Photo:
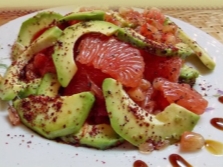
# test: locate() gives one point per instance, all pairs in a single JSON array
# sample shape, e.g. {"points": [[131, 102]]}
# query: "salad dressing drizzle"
{"points": [[217, 123], [140, 163], [220, 99], [178, 161], [214, 147]]}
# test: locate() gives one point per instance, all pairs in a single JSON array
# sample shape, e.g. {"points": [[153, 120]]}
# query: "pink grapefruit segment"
{"points": [[181, 94], [120, 60], [165, 67]]}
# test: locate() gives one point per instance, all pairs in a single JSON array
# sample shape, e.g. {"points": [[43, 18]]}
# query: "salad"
{"points": [[102, 77]]}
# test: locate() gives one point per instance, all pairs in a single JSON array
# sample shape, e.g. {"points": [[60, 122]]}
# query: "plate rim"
{"points": [[185, 26]]}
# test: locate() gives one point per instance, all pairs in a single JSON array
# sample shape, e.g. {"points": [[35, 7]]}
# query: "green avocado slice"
{"points": [[11, 85], [136, 125], [54, 117], [188, 75], [130, 36], [49, 85], [84, 16], [63, 55], [30, 28], [100, 136], [96, 15], [30, 88], [198, 50]]}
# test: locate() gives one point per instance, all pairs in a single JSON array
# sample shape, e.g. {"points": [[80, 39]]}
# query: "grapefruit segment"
{"points": [[88, 78], [84, 79], [120, 60], [181, 94], [165, 67]]}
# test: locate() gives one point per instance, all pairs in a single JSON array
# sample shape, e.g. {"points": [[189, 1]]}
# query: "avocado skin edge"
{"points": [[137, 40], [84, 16]]}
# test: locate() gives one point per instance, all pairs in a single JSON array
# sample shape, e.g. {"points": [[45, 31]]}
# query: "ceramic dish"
{"points": [[22, 147]]}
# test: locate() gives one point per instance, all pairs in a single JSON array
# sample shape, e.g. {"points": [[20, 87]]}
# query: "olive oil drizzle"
{"points": [[214, 147]]}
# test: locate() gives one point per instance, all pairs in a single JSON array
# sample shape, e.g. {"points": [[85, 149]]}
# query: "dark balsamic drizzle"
{"points": [[178, 161], [217, 123], [220, 99], [140, 163]]}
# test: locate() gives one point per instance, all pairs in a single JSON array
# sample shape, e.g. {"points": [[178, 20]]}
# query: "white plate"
{"points": [[21, 147]]}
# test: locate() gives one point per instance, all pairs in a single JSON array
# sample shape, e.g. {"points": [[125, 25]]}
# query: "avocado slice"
{"points": [[136, 125], [54, 117], [130, 36], [188, 75], [63, 55], [49, 85], [30, 28], [45, 40], [96, 15], [198, 50], [100, 136], [84, 16], [11, 85], [30, 88]]}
